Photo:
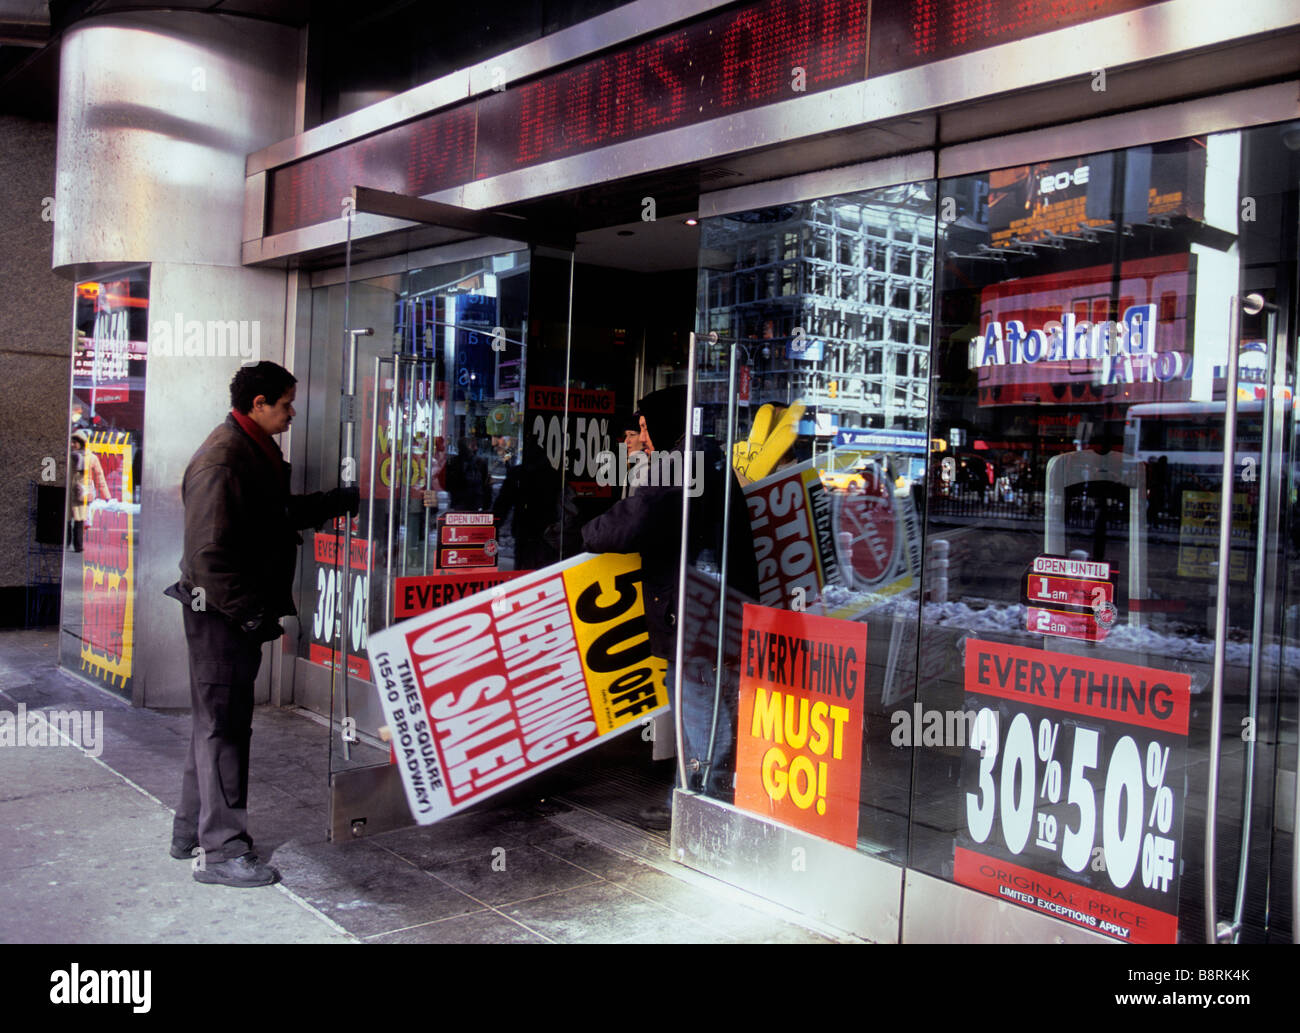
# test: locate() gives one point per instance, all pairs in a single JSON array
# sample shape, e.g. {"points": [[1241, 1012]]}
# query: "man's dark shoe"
{"points": [[242, 871], [183, 849]]}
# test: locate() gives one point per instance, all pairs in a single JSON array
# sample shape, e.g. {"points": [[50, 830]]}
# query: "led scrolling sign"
{"points": [[748, 56]]}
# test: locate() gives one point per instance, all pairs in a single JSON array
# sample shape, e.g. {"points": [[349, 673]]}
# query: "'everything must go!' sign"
{"points": [[799, 733], [490, 690]]}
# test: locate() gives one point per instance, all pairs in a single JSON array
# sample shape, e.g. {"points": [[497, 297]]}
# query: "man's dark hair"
{"points": [[263, 378]]}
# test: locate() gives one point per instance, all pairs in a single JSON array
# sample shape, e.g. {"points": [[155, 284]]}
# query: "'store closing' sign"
{"points": [[490, 690], [799, 734]]}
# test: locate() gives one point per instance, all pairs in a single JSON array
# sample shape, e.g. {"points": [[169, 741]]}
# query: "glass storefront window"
{"points": [[953, 557], [1085, 313], [812, 376], [106, 442]]}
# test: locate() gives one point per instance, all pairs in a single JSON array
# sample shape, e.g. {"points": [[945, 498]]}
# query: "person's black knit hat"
{"points": [[665, 416]]}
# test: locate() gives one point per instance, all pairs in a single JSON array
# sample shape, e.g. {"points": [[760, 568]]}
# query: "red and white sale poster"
{"points": [[488, 691], [1073, 786], [799, 732], [466, 540], [794, 543], [328, 621]]}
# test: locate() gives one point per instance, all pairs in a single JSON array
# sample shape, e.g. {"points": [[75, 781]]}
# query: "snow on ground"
{"points": [[1190, 648]]}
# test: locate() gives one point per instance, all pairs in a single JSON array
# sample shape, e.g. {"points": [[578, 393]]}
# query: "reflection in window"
{"points": [[106, 443], [829, 442], [1078, 425]]}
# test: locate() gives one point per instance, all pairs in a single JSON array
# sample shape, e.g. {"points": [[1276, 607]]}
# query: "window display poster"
{"points": [[799, 731], [1198, 534], [327, 619], [834, 543], [106, 426], [108, 560], [1073, 788], [573, 427], [1070, 598], [404, 444], [486, 692], [794, 541], [422, 593]]}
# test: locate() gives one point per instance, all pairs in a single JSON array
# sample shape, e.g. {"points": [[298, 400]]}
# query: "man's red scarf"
{"points": [[262, 438]]}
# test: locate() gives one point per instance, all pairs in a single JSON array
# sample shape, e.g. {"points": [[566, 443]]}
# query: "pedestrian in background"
{"points": [[88, 484]]}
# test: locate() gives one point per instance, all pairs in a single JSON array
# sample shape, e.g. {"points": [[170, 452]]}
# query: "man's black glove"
{"points": [[343, 500], [262, 629]]}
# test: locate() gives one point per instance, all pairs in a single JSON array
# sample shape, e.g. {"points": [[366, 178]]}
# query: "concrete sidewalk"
{"points": [[83, 849]]}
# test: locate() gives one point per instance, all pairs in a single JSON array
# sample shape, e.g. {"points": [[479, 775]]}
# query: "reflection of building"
{"points": [[854, 276]]}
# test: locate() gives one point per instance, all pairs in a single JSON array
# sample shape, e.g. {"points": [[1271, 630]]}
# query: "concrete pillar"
{"points": [[157, 112]]}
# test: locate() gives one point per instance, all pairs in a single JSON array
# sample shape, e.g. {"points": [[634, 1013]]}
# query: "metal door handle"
{"points": [[1221, 613], [370, 509], [349, 442], [1215, 931], [1253, 304], [680, 650], [720, 656]]}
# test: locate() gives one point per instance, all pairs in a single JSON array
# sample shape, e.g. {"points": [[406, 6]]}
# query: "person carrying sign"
{"points": [[649, 522]]}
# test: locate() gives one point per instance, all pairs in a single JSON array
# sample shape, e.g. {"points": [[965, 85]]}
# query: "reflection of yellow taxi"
{"points": [[849, 479], [861, 476]]}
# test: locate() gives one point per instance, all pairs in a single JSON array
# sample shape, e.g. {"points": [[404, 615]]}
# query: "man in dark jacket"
{"points": [[649, 522], [241, 541]]}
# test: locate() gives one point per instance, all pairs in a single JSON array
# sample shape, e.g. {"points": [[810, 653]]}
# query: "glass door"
{"points": [[428, 425], [811, 375], [1113, 476]]}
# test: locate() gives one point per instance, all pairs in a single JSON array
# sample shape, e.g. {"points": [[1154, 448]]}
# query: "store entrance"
{"points": [[633, 306], [490, 398]]}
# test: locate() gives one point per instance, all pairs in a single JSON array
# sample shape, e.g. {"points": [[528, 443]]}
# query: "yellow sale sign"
{"points": [[799, 734], [488, 691]]}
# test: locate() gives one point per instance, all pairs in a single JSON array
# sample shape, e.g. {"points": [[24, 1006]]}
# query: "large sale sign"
{"points": [[1074, 805], [486, 692], [799, 732], [586, 431]]}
